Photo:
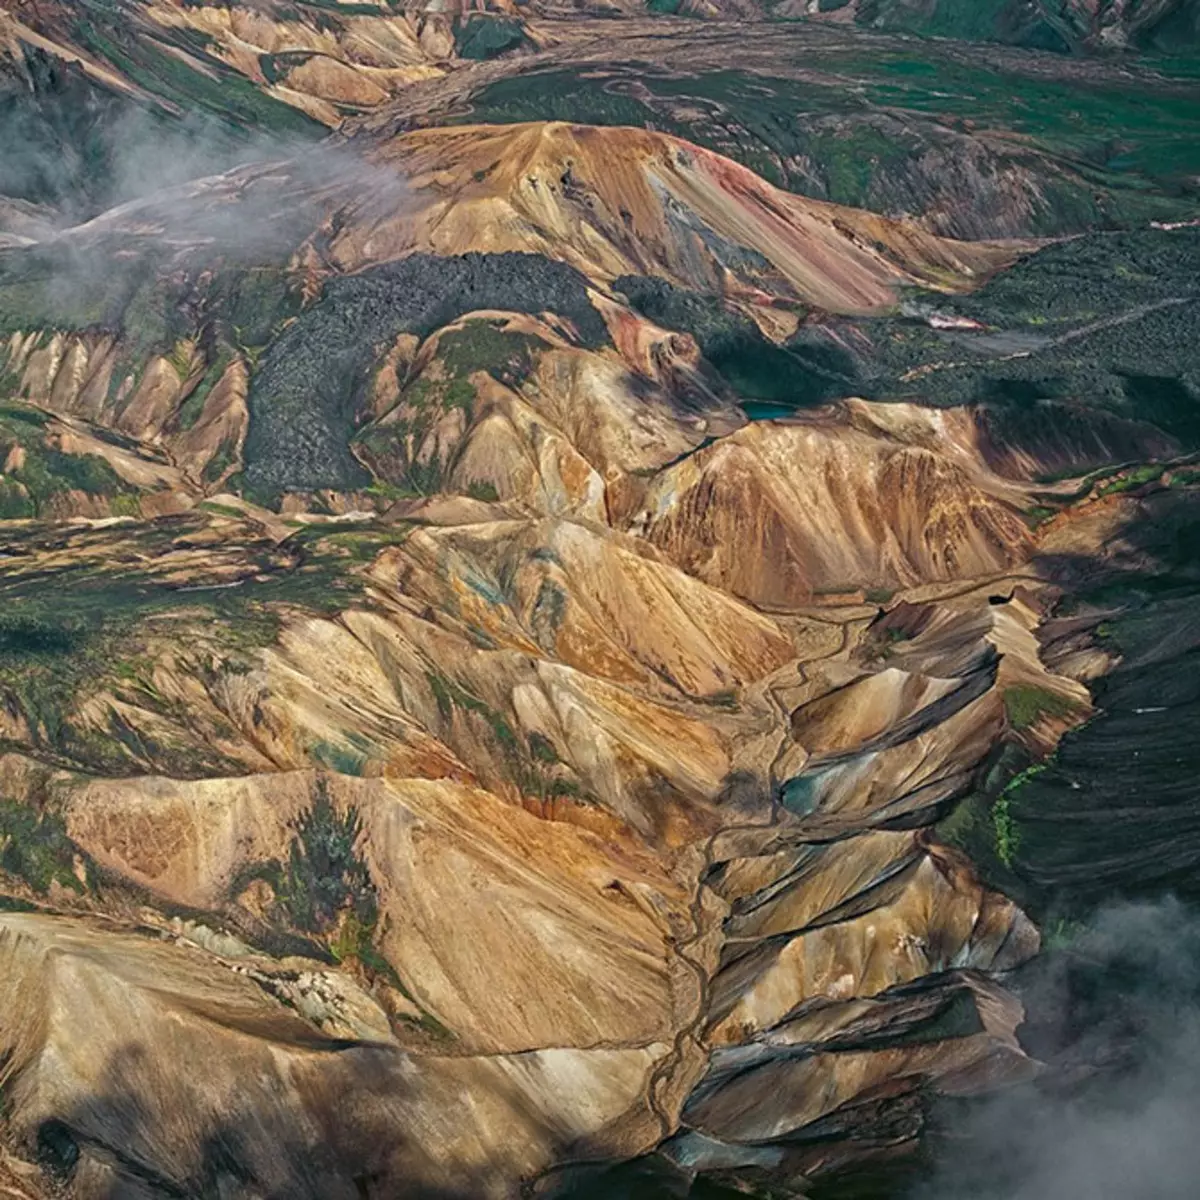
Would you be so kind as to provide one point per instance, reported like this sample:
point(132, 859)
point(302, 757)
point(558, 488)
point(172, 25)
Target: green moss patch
point(35, 848)
point(1026, 705)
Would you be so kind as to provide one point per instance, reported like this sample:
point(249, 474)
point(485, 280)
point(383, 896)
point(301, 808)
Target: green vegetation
point(72, 133)
point(1007, 838)
point(193, 405)
point(972, 828)
point(276, 67)
point(230, 97)
point(485, 345)
point(1033, 24)
point(41, 473)
point(324, 889)
point(533, 766)
point(806, 371)
point(541, 749)
point(355, 941)
point(1109, 815)
point(35, 848)
point(482, 489)
point(309, 392)
point(1130, 481)
point(47, 656)
point(1104, 152)
point(1036, 26)
point(1123, 349)
point(1182, 477)
point(991, 824)
point(482, 36)
point(224, 458)
point(1025, 705)
point(450, 696)
point(85, 628)
point(45, 287)
point(324, 878)
point(395, 448)
point(346, 758)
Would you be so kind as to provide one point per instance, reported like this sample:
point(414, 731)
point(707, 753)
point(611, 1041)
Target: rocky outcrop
point(626, 201)
point(780, 512)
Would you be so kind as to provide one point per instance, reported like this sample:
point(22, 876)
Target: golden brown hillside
point(524, 646)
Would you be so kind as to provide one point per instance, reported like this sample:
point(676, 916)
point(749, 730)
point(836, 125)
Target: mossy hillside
point(323, 878)
point(1033, 26)
point(56, 126)
point(51, 661)
point(323, 890)
point(74, 144)
point(531, 764)
point(484, 35)
point(1104, 153)
point(1107, 321)
point(982, 823)
point(808, 370)
point(217, 90)
point(39, 472)
point(395, 447)
point(36, 851)
point(54, 287)
point(1037, 25)
point(137, 289)
point(226, 309)
point(308, 395)
point(1026, 705)
point(100, 625)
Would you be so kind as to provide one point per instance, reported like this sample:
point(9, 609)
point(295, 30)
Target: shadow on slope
point(335, 1124)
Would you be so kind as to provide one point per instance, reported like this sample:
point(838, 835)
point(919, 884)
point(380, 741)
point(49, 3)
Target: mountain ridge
point(540, 657)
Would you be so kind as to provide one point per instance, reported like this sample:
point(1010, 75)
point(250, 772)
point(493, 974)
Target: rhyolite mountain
point(575, 596)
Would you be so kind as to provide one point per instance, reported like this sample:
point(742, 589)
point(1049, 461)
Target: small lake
point(768, 410)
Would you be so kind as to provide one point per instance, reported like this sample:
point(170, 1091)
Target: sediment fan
point(532, 657)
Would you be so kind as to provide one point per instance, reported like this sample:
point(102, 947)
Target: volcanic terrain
point(538, 658)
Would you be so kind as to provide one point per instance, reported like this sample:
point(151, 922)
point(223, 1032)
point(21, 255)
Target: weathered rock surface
point(447, 744)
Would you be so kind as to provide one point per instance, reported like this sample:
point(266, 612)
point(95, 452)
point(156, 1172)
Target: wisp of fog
point(1115, 1015)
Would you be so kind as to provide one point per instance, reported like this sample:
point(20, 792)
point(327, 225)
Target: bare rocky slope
point(490, 707)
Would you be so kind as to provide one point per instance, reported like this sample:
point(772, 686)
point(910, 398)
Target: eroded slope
point(431, 699)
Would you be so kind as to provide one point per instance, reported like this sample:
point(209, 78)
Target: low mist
point(1115, 1015)
point(186, 195)
point(89, 155)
